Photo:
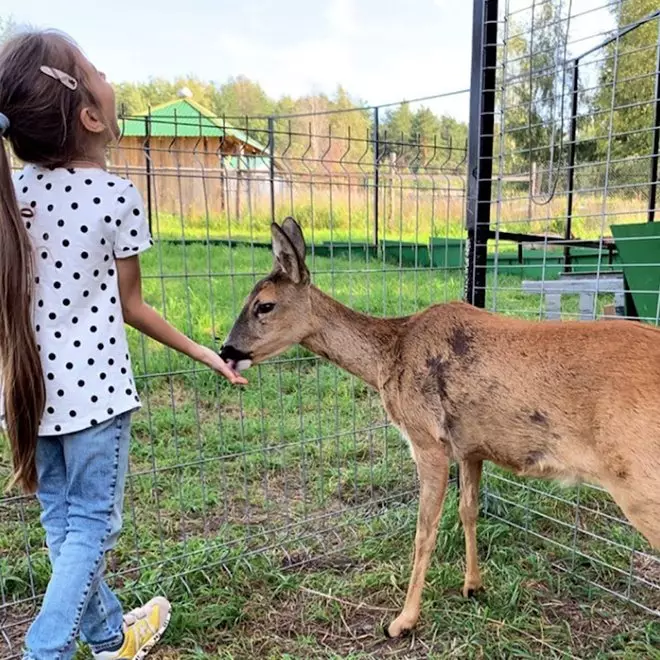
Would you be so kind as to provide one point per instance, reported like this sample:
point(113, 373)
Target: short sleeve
point(132, 234)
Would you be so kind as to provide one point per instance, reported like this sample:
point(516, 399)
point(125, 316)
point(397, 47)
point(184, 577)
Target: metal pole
point(480, 154)
point(571, 163)
point(271, 149)
point(376, 174)
point(653, 190)
point(147, 157)
point(480, 147)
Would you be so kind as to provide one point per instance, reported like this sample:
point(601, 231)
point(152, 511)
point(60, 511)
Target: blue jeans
point(81, 491)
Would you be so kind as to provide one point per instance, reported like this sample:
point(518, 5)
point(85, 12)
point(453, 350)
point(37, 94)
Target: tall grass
point(343, 214)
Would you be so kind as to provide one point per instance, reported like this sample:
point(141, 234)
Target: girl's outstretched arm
point(147, 320)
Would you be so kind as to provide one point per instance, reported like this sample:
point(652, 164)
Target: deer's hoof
point(470, 589)
point(400, 627)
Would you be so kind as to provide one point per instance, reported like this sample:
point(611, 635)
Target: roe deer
point(569, 400)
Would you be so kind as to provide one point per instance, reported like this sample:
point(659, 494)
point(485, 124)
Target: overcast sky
point(380, 50)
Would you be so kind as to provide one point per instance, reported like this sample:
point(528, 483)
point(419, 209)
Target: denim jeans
point(81, 491)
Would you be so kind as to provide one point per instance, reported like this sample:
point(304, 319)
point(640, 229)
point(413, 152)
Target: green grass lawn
point(279, 518)
point(339, 214)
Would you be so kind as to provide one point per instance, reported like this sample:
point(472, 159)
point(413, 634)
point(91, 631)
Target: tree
point(7, 28)
point(351, 128)
point(627, 84)
point(397, 132)
point(453, 140)
point(133, 98)
point(130, 98)
point(325, 131)
point(242, 97)
point(426, 136)
point(537, 86)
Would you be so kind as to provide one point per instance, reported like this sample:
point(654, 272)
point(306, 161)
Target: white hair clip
point(64, 78)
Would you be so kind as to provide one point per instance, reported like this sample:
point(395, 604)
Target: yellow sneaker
point(143, 627)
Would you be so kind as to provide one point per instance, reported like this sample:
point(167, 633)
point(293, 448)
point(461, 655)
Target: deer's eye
point(265, 308)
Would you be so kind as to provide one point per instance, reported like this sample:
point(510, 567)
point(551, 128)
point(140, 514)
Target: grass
point(279, 518)
point(340, 213)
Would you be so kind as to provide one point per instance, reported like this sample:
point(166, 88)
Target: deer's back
point(570, 399)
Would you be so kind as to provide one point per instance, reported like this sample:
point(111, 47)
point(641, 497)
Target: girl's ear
point(92, 120)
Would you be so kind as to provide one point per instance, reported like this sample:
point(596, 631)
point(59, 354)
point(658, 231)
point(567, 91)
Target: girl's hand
point(212, 360)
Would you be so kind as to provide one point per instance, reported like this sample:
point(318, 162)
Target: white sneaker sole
point(146, 649)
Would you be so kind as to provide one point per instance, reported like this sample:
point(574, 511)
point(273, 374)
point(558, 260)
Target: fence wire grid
point(561, 222)
point(557, 181)
point(294, 462)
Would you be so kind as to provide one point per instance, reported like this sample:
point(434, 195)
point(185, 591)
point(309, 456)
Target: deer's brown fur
point(568, 400)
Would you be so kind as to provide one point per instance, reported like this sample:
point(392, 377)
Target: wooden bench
point(586, 285)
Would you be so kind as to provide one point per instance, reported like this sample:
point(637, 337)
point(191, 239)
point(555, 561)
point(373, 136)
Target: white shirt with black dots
point(81, 221)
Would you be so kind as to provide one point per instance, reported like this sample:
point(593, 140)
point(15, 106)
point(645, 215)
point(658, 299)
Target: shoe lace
point(138, 622)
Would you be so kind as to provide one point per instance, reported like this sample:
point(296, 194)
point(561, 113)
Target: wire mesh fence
point(292, 463)
point(558, 184)
point(571, 111)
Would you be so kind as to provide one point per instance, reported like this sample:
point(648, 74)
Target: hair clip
point(64, 78)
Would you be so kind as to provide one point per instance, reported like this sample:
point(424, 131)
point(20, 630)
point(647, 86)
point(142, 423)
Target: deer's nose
point(229, 352)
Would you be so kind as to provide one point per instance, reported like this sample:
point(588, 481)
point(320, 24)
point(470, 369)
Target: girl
point(70, 236)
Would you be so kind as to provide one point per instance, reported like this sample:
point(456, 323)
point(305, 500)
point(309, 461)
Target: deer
point(542, 399)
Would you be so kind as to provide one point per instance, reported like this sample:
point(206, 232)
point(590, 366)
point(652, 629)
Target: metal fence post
point(147, 158)
point(271, 165)
point(571, 162)
point(376, 174)
point(480, 147)
point(480, 153)
point(653, 190)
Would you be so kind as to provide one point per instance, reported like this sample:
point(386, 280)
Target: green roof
point(183, 118)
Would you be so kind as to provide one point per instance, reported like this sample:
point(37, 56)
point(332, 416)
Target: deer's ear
point(286, 257)
point(295, 234)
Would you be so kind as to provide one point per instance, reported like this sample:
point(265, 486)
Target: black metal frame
point(653, 190)
point(376, 174)
point(575, 96)
point(147, 163)
point(480, 147)
point(271, 165)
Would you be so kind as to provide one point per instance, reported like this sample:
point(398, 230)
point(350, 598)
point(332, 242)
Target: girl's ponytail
point(45, 129)
point(21, 375)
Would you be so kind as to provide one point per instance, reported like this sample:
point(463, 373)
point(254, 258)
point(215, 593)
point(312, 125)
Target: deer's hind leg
point(433, 470)
point(468, 508)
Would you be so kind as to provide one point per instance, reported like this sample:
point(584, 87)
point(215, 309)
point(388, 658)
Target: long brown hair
point(44, 129)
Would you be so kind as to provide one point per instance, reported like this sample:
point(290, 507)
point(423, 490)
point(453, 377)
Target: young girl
point(70, 236)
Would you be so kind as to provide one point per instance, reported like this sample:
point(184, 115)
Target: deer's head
point(277, 313)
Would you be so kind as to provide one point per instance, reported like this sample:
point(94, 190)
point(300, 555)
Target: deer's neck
point(355, 342)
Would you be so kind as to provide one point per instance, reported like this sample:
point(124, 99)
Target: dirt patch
point(590, 624)
point(647, 568)
point(305, 562)
point(313, 625)
point(14, 622)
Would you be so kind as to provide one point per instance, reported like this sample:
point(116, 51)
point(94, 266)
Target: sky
point(381, 51)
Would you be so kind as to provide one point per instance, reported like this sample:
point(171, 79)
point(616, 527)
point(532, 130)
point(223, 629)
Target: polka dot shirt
point(82, 221)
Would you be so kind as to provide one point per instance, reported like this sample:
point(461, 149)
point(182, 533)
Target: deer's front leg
point(433, 470)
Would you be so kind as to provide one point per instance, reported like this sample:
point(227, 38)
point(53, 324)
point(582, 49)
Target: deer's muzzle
point(236, 358)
